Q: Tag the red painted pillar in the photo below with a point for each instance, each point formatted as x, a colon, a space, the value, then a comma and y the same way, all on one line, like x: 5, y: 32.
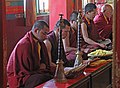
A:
x: 62, y: 6
x: 3, y: 45
x: 57, y: 7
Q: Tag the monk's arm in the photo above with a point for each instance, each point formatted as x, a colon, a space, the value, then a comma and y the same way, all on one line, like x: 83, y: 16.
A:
x: 86, y: 37
x: 49, y: 47
x: 66, y: 44
x: 24, y: 53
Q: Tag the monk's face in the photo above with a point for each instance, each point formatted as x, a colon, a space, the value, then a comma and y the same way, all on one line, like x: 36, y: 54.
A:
x: 108, y: 11
x: 90, y: 15
x: 74, y: 24
x: 65, y: 31
x: 42, y: 35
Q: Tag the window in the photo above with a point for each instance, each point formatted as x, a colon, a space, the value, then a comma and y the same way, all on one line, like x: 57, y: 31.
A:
x: 25, y: 8
x: 42, y: 7
x: 84, y: 2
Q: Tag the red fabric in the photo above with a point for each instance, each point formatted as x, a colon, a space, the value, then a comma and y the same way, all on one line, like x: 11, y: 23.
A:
x: 73, y: 37
x: 104, y: 28
x: 73, y: 43
x: 24, y: 61
x: 91, y: 29
x: 71, y: 55
x: 12, y: 82
x: 92, y: 34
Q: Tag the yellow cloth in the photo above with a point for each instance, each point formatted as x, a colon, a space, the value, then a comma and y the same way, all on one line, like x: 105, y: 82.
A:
x: 106, y: 19
x: 39, y: 47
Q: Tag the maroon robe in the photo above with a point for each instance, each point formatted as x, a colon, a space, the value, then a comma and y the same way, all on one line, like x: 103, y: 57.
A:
x: 24, y: 61
x: 73, y: 37
x: 104, y: 28
x: 92, y: 34
x: 71, y: 55
x: 54, y: 50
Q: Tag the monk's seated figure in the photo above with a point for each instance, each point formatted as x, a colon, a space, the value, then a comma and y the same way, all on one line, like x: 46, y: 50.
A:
x: 28, y: 64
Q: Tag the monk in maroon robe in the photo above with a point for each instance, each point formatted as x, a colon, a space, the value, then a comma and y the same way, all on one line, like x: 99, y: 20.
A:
x: 103, y: 22
x: 28, y: 64
x: 52, y: 44
x: 70, y: 42
x: 89, y: 34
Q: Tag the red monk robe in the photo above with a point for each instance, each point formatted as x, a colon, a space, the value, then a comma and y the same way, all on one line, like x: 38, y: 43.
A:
x: 71, y: 55
x: 103, y: 25
x: 24, y: 63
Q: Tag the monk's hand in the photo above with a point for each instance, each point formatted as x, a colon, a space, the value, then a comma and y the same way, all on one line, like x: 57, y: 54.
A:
x: 42, y: 66
x: 103, y: 45
x: 52, y: 64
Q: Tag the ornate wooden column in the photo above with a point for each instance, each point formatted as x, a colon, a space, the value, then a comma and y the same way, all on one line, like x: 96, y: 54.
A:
x: 116, y: 45
x: 30, y: 12
x: 3, y: 45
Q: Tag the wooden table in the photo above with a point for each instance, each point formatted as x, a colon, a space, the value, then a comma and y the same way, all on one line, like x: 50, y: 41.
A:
x: 93, y: 77
x: 101, y: 76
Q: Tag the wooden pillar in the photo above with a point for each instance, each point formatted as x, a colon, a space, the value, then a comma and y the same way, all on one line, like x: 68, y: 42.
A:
x: 78, y: 4
x: 116, y: 47
x: 70, y: 7
x: 30, y: 12
x: 3, y: 45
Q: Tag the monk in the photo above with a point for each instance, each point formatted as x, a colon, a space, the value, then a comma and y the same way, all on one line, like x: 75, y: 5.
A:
x: 52, y: 43
x: 70, y: 42
x: 88, y: 31
x: 103, y: 22
x: 74, y: 29
x: 28, y: 64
